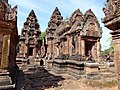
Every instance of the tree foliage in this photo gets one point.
(43, 34)
(110, 50)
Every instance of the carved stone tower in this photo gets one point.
(53, 24)
(30, 39)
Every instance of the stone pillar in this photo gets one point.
(98, 50)
(83, 47)
(77, 44)
(70, 46)
(34, 54)
(68, 42)
(112, 22)
(57, 51)
(117, 56)
(94, 51)
(5, 52)
(79, 40)
(49, 46)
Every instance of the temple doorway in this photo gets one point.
(88, 47)
(30, 51)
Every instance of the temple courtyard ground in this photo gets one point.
(72, 84)
(39, 78)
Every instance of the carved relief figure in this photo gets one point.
(91, 29)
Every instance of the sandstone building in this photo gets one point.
(72, 41)
(8, 42)
(30, 41)
(112, 22)
(78, 35)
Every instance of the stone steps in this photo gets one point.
(41, 78)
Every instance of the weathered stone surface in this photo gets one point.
(84, 28)
(112, 21)
(5, 52)
(30, 44)
(70, 41)
(8, 42)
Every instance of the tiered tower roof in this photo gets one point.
(54, 22)
(31, 28)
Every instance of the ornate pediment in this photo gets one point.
(91, 26)
(6, 12)
(76, 16)
(53, 24)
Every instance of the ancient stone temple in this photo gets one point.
(30, 41)
(8, 42)
(112, 21)
(73, 40)
(53, 24)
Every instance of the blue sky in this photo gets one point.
(44, 8)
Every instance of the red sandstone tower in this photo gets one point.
(30, 39)
(53, 24)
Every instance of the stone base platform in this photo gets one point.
(71, 67)
(5, 81)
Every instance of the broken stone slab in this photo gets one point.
(92, 65)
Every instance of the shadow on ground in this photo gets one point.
(39, 79)
(20, 80)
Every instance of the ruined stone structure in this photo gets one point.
(77, 35)
(8, 42)
(53, 24)
(112, 21)
(30, 41)
(70, 41)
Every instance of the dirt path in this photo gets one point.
(42, 79)
(73, 84)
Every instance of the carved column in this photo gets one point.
(83, 47)
(116, 41)
(98, 50)
(112, 22)
(68, 40)
(57, 50)
(79, 45)
(5, 52)
(34, 54)
(70, 46)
